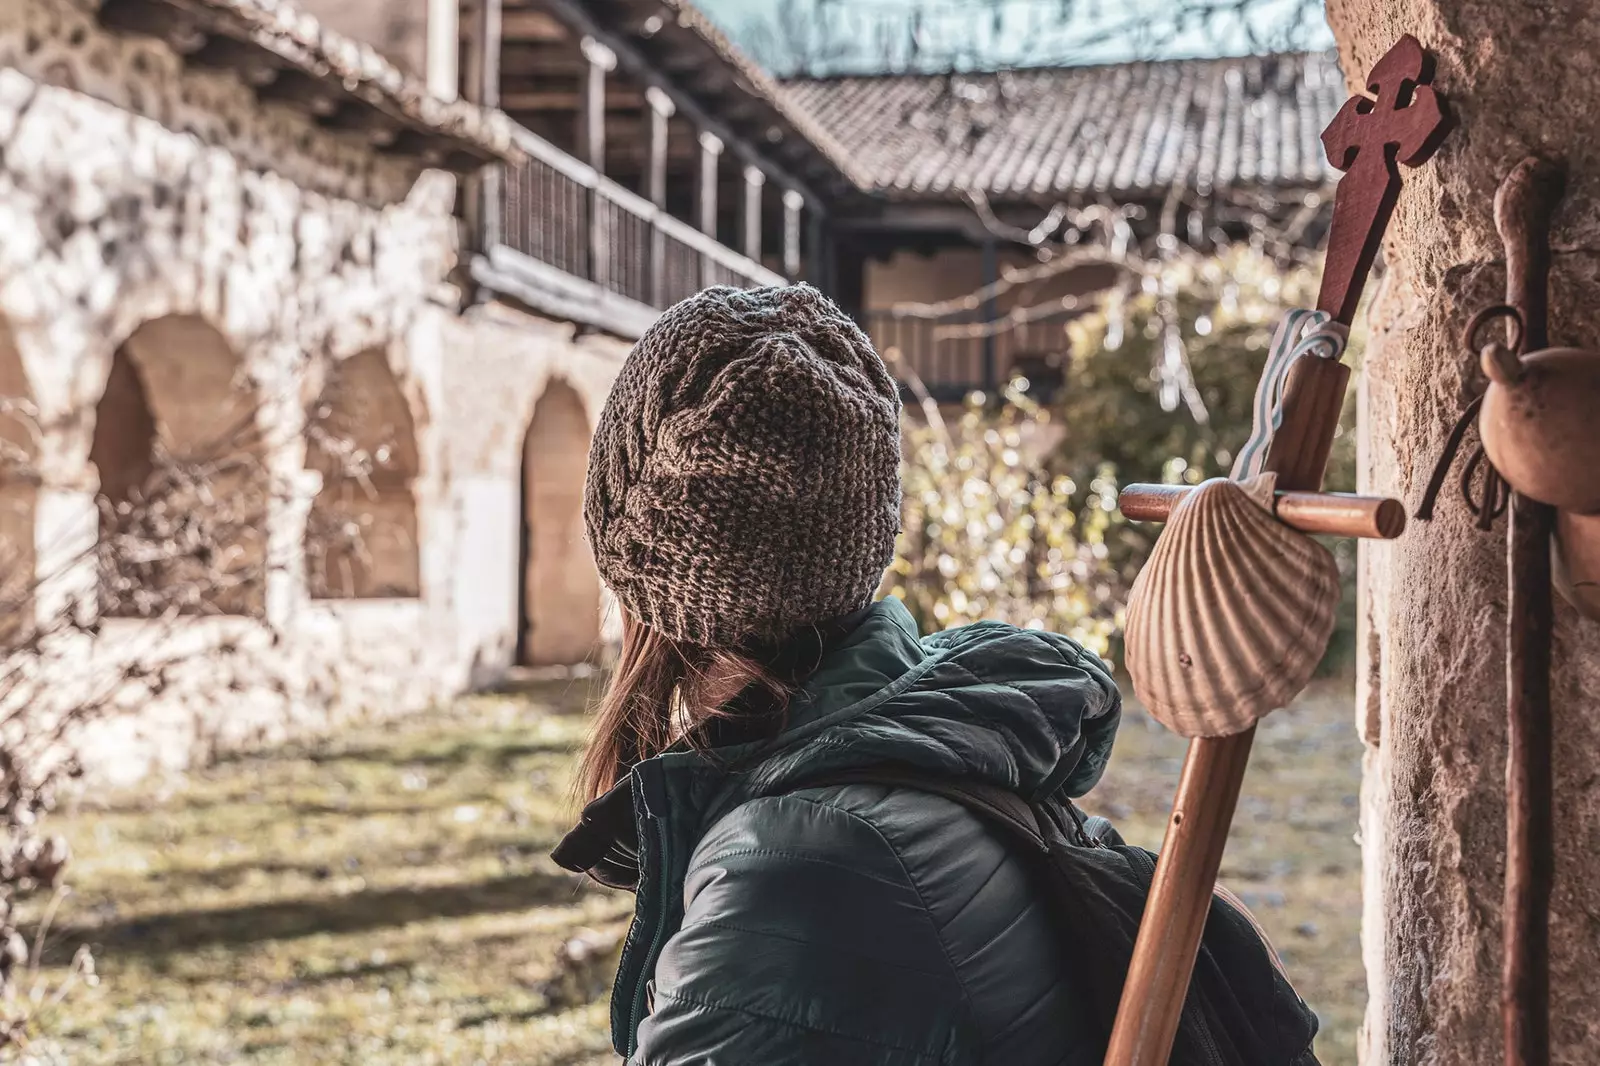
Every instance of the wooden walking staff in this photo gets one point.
(1403, 122)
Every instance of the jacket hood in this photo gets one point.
(1026, 710)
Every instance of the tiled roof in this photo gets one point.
(1130, 129)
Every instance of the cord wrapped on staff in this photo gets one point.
(1234, 609)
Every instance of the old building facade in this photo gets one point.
(302, 336)
(196, 275)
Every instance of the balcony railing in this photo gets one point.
(955, 355)
(576, 244)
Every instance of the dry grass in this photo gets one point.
(385, 899)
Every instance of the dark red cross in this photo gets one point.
(1403, 121)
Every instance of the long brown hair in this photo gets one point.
(663, 690)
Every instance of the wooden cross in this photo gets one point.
(1403, 123)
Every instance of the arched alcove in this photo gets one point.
(184, 489)
(560, 589)
(18, 484)
(361, 536)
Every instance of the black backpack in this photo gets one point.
(1241, 1009)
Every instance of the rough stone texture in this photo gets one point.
(132, 191)
(1521, 78)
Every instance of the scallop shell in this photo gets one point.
(1231, 615)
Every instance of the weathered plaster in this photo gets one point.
(132, 188)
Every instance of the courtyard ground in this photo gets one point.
(385, 897)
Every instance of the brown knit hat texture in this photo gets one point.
(744, 479)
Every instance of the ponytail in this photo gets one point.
(663, 690)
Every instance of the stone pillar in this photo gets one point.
(1432, 705)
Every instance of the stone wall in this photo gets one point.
(236, 255)
(1520, 78)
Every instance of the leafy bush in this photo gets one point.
(985, 535)
(1010, 510)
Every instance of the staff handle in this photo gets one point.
(1336, 514)
(1213, 771)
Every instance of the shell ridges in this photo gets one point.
(1231, 615)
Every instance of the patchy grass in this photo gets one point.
(385, 898)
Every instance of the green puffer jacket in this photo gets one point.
(855, 924)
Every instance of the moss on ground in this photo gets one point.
(384, 898)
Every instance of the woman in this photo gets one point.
(743, 501)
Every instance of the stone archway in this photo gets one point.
(184, 489)
(18, 485)
(559, 594)
(361, 537)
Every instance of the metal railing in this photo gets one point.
(954, 355)
(558, 211)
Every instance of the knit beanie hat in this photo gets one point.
(744, 476)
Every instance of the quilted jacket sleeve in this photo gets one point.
(804, 943)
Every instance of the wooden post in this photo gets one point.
(444, 48)
(710, 153)
(661, 111)
(1523, 206)
(592, 104)
(1213, 773)
(1367, 139)
(793, 202)
(819, 265)
(753, 181)
(592, 150)
(483, 198)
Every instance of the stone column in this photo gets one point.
(1520, 78)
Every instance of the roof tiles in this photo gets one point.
(1124, 130)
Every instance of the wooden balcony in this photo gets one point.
(649, 152)
(569, 242)
(955, 355)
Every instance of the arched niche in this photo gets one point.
(361, 535)
(560, 588)
(184, 489)
(19, 485)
